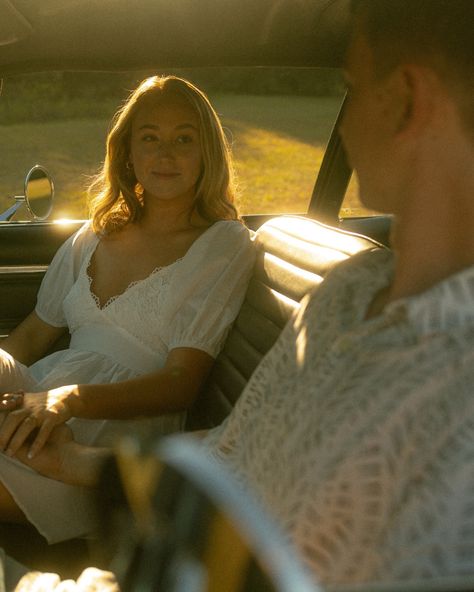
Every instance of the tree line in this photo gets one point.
(66, 95)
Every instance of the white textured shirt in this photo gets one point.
(358, 434)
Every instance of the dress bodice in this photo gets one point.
(189, 303)
(138, 311)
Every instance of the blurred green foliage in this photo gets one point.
(71, 95)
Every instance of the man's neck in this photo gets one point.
(435, 237)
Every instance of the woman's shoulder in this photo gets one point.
(85, 232)
(77, 247)
(224, 240)
(84, 237)
(228, 230)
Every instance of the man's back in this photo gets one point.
(358, 433)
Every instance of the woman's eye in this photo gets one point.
(149, 138)
(185, 139)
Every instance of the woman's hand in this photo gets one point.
(64, 459)
(53, 460)
(11, 401)
(35, 419)
(90, 580)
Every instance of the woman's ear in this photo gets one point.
(129, 164)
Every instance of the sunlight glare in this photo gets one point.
(66, 221)
(298, 228)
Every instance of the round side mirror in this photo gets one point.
(39, 192)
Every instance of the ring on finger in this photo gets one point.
(30, 419)
(12, 397)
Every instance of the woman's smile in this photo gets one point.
(162, 175)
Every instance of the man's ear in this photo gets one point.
(414, 94)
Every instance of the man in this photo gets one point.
(357, 430)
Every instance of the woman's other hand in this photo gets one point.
(64, 459)
(90, 580)
(35, 419)
(52, 460)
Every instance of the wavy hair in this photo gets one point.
(116, 197)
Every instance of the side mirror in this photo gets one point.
(38, 195)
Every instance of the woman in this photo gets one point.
(147, 290)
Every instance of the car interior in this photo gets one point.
(294, 252)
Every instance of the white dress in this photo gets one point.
(190, 303)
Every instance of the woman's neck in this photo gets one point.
(167, 216)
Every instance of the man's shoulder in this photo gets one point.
(365, 272)
(344, 295)
(363, 266)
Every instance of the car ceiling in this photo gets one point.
(124, 34)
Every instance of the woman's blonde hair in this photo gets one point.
(116, 196)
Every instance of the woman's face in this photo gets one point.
(165, 149)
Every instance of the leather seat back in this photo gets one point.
(294, 254)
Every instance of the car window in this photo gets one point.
(60, 120)
(351, 206)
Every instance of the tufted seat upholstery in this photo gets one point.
(293, 256)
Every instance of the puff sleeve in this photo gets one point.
(211, 288)
(61, 275)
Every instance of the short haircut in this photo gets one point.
(436, 33)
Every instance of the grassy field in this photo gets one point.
(278, 143)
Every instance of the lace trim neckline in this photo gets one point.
(153, 272)
(112, 299)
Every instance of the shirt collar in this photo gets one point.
(448, 305)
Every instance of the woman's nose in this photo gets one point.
(165, 149)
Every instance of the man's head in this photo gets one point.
(410, 87)
(435, 33)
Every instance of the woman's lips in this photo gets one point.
(165, 175)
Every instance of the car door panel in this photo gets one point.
(26, 250)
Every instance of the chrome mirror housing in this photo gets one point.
(38, 195)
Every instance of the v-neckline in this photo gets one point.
(133, 283)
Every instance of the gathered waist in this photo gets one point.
(117, 344)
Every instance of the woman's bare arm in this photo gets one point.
(170, 389)
(28, 342)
